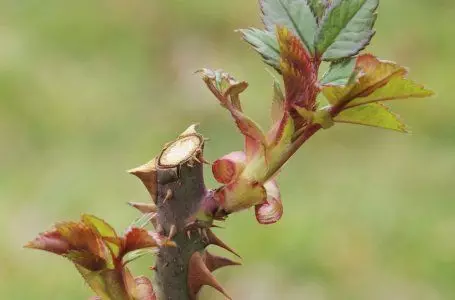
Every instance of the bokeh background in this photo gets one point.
(89, 89)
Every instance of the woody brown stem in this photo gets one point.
(180, 190)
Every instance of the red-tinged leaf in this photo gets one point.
(86, 259)
(50, 241)
(398, 87)
(281, 134)
(138, 238)
(81, 237)
(144, 289)
(277, 103)
(227, 168)
(299, 74)
(373, 74)
(372, 114)
(249, 129)
(272, 210)
(104, 230)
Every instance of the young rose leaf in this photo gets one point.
(272, 210)
(298, 72)
(281, 135)
(86, 259)
(50, 241)
(104, 230)
(372, 114)
(107, 284)
(81, 237)
(265, 44)
(277, 109)
(318, 7)
(339, 73)
(374, 74)
(295, 15)
(346, 28)
(138, 238)
(398, 87)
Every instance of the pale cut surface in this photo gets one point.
(180, 151)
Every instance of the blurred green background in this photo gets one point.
(89, 89)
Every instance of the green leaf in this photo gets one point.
(346, 28)
(340, 72)
(397, 88)
(372, 114)
(318, 7)
(295, 15)
(265, 44)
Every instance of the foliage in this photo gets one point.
(299, 36)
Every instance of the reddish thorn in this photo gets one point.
(214, 240)
(214, 262)
(199, 275)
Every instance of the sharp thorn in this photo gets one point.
(172, 232)
(199, 275)
(214, 240)
(168, 196)
(144, 207)
(188, 234)
(199, 230)
(153, 268)
(214, 262)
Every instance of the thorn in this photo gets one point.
(199, 230)
(168, 195)
(216, 226)
(144, 208)
(153, 268)
(214, 262)
(214, 240)
(147, 174)
(206, 139)
(205, 161)
(197, 159)
(199, 275)
(190, 163)
(188, 234)
(172, 232)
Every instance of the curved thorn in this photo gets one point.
(168, 195)
(199, 275)
(214, 240)
(172, 232)
(214, 262)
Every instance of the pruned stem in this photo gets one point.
(180, 190)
